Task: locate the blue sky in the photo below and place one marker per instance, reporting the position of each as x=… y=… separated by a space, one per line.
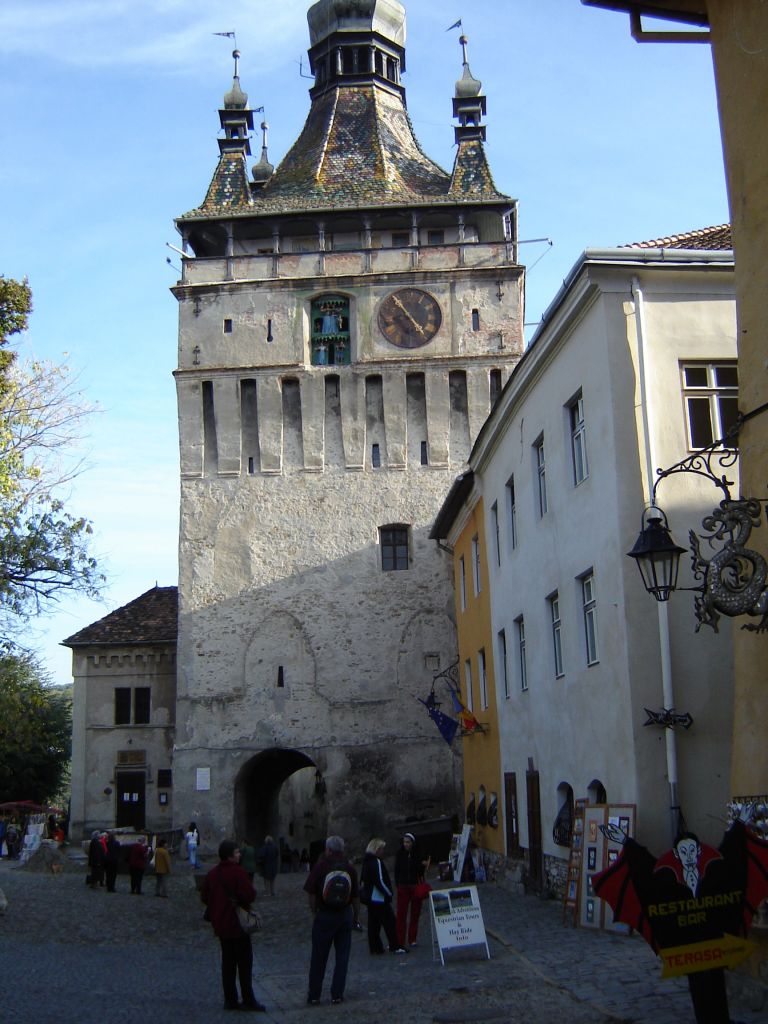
x=109 y=130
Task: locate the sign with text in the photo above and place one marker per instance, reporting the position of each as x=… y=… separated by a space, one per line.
x=457 y=920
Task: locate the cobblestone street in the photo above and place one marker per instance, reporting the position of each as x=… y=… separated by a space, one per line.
x=70 y=954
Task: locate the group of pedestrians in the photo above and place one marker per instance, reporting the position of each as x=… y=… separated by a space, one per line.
x=104 y=853
x=335 y=894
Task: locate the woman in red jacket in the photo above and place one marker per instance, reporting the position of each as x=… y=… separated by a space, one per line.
x=226 y=887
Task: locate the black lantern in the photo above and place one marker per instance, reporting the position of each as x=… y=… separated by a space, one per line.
x=656 y=554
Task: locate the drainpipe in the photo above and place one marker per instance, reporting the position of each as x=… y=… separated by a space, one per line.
x=648 y=420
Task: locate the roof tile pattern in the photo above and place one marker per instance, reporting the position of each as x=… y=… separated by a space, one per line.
x=229 y=189
x=357 y=150
x=150 y=619
x=472 y=178
x=717 y=237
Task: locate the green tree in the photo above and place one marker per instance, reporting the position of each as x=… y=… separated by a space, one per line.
x=44 y=551
x=35 y=731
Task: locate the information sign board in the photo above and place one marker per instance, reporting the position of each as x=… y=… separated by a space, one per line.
x=457 y=920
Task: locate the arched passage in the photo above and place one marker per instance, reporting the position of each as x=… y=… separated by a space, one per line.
x=281 y=793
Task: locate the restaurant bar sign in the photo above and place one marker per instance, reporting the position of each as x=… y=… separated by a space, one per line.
x=457 y=920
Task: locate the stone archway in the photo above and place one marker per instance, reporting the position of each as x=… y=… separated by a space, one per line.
x=280 y=792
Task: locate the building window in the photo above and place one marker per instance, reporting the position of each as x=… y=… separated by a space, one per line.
x=589 y=603
x=521 y=659
x=435 y=237
x=462 y=583
x=475 y=319
x=164 y=778
x=424 y=454
x=482 y=676
x=476 y=565
x=227 y=326
x=512 y=507
x=711 y=394
x=375 y=456
x=562 y=830
x=394 y=547
x=129 y=700
x=557 y=644
x=468 y=685
x=502 y=647
x=494 y=385
x=578 y=440
x=329 y=319
x=400 y=239
x=541 y=476
x=495 y=526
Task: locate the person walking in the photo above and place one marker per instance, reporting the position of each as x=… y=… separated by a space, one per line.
x=333 y=891
x=269 y=855
x=138 y=857
x=248 y=858
x=111 y=861
x=225 y=888
x=192 y=838
x=95 y=860
x=162 y=868
x=377 y=889
x=409 y=874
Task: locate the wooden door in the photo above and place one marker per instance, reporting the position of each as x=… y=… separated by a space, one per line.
x=131 y=799
x=535 y=853
x=510 y=814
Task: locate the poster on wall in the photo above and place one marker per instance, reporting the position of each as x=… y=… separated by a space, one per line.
x=202 y=779
x=457 y=920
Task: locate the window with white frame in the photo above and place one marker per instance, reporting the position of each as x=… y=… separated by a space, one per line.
x=468 y=684
x=541 y=475
x=502 y=659
x=578 y=440
x=589 y=604
x=512 y=511
x=495 y=527
x=476 y=564
x=711 y=397
x=521 y=658
x=557 y=641
x=482 y=676
x=462 y=583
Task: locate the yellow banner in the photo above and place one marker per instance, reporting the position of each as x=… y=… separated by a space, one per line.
x=704 y=956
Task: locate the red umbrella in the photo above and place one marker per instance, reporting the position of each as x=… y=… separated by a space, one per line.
x=21 y=805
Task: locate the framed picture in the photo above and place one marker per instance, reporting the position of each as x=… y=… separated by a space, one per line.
x=593 y=831
x=613 y=856
x=590 y=911
x=572 y=890
x=624 y=825
x=162 y=799
x=591 y=858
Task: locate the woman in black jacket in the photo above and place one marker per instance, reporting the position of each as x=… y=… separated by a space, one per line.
x=376 y=893
x=409 y=872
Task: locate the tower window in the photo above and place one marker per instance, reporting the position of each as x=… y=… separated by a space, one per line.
x=394 y=547
x=329 y=315
x=227 y=326
x=375 y=456
x=475 y=319
x=424 y=455
x=435 y=237
x=280 y=676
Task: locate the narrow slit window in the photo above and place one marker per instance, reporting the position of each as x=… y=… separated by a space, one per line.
x=375 y=456
x=280 y=676
x=424 y=455
x=475 y=319
x=270 y=336
x=227 y=326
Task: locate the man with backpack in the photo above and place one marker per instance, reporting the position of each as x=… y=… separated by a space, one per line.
x=334 y=901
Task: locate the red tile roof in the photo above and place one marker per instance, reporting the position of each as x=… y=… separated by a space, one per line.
x=150 y=619
x=717 y=237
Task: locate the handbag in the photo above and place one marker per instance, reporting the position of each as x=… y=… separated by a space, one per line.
x=422 y=890
x=248 y=920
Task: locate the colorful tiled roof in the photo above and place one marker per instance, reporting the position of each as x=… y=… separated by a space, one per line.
x=717 y=237
x=357 y=150
x=229 y=188
x=150 y=619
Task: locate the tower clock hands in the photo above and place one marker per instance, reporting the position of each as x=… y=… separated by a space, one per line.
x=408 y=315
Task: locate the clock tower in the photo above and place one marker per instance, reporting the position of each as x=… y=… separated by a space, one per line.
x=346 y=320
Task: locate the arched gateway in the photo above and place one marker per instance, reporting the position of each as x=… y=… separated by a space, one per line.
x=281 y=793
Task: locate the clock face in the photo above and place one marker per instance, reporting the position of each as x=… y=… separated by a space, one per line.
x=409 y=317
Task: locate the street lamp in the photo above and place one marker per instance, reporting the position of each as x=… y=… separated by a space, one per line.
x=656 y=554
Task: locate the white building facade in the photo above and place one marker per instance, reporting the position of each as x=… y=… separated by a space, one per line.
x=632 y=368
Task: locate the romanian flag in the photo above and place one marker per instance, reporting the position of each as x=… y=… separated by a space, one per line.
x=468 y=721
